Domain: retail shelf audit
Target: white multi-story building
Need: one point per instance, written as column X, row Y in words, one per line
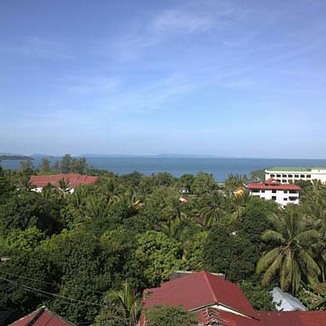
column 282, row 194
column 290, row 175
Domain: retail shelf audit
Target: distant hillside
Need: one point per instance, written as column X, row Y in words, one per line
column 163, row 155
column 14, row 157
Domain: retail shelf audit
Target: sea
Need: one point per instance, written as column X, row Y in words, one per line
column 220, row 168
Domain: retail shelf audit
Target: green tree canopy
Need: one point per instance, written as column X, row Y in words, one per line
column 203, row 183
column 230, row 254
column 169, row 316
column 157, row 256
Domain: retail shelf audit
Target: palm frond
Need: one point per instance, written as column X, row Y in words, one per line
column 267, row 259
column 271, row 235
column 272, row 270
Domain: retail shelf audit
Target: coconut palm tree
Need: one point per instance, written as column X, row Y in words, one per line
column 174, row 220
column 212, row 209
column 173, row 228
column 237, row 204
column 315, row 217
column 291, row 257
column 123, row 307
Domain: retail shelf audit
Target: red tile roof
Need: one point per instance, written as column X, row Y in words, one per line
column 41, row 317
column 210, row 315
column 293, row 318
column 271, row 184
column 73, row 180
column 198, row 290
column 220, row 301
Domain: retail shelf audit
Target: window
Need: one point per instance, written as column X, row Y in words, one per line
column 284, row 181
column 301, row 175
column 292, row 198
column 308, row 176
column 293, row 192
column 285, row 191
column 290, row 176
column 272, row 175
column 273, row 197
column 285, row 199
column 254, row 190
column 278, row 175
column 284, row 175
column 263, row 191
column 274, row 191
column 296, row 176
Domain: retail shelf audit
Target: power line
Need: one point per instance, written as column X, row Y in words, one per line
column 50, row 295
column 44, row 282
column 46, row 293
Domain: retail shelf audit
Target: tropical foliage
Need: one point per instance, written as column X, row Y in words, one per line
column 90, row 254
column 291, row 257
column 169, row 316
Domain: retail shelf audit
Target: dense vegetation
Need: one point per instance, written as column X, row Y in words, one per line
column 88, row 255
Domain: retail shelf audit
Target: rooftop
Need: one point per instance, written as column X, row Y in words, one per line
column 271, row 184
column 199, row 289
column 289, row 169
column 73, row 180
column 220, row 302
column 295, row 169
column 41, row 317
column 285, row 301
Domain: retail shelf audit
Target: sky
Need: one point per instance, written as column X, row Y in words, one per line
column 232, row 78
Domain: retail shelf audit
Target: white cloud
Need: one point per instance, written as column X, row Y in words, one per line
column 198, row 16
column 178, row 20
column 151, row 96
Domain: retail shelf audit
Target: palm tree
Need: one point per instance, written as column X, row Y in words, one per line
column 97, row 207
column 130, row 199
column 123, row 307
column 315, row 208
column 212, row 211
column 233, row 182
column 291, row 257
column 237, row 203
column 64, row 187
column 315, row 296
column 174, row 220
column 173, row 228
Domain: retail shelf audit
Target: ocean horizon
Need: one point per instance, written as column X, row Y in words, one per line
column 219, row 167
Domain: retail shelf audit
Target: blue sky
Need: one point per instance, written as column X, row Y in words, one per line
column 206, row 77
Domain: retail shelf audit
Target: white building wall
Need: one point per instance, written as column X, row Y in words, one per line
column 318, row 174
column 281, row 197
column 292, row 176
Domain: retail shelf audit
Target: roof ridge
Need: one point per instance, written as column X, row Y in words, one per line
column 210, row 286
column 53, row 315
column 36, row 316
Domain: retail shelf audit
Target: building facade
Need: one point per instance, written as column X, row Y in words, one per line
column 271, row 189
column 290, row 175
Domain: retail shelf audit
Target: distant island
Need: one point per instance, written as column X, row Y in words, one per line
column 14, row 157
